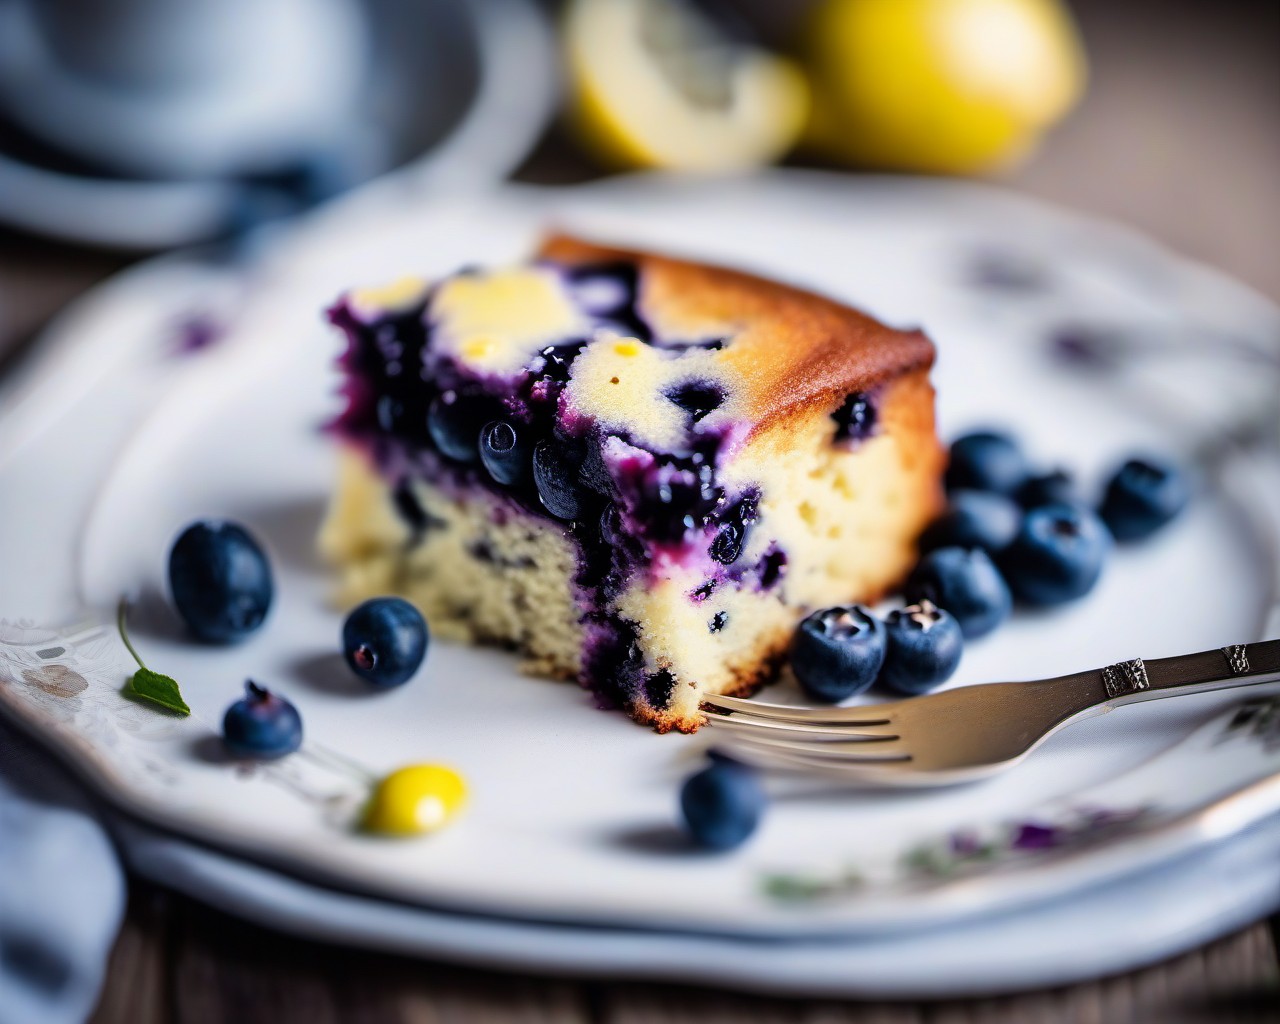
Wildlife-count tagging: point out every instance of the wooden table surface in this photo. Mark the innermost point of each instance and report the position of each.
(1180, 136)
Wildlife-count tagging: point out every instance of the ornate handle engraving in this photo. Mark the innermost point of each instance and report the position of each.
(1237, 656)
(1125, 677)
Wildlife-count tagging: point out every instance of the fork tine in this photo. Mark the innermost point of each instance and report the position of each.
(891, 748)
(870, 714)
(866, 771)
(778, 727)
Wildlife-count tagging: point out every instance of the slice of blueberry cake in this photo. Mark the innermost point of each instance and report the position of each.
(638, 471)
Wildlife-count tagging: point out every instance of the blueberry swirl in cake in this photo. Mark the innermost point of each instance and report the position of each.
(639, 472)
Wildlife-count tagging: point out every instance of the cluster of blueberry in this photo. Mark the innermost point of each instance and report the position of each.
(1008, 534)
(222, 587)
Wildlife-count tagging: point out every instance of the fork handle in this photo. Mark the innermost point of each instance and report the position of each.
(1136, 680)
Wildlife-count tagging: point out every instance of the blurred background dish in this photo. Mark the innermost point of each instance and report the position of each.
(145, 124)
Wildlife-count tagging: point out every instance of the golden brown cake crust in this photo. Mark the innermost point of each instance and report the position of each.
(791, 349)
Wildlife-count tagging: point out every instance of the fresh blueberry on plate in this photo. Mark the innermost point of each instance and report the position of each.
(1057, 556)
(1143, 496)
(220, 580)
(384, 640)
(986, 460)
(1057, 487)
(261, 725)
(505, 452)
(722, 804)
(974, 519)
(838, 652)
(966, 583)
(924, 648)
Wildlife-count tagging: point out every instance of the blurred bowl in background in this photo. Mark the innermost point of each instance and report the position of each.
(446, 92)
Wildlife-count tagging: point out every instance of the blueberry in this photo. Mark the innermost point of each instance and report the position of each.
(677, 497)
(384, 640)
(608, 291)
(837, 652)
(505, 452)
(261, 725)
(924, 648)
(220, 580)
(1057, 556)
(974, 519)
(558, 359)
(699, 398)
(602, 288)
(455, 419)
(986, 461)
(1143, 496)
(1057, 487)
(727, 544)
(556, 472)
(722, 805)
(966, 583)
(856, 418)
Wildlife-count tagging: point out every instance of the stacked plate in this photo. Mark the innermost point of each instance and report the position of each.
(568, 858)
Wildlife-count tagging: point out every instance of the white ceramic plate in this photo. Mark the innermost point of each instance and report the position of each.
(573, 808)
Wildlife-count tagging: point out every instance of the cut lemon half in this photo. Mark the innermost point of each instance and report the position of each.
(654, 84)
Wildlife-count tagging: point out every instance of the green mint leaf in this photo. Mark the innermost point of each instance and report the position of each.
(158, 689)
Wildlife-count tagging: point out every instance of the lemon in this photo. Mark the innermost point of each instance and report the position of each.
(413, 800)
(948, 86)
(652, 84)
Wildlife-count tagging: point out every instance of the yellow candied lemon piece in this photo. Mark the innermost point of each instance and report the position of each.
(414, 800)
(949, 86)
(654, 84)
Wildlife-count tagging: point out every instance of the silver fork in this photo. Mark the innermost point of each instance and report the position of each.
(970, 732)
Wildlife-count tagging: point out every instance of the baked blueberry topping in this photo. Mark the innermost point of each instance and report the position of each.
(703, 590)
(658, 688)
(986, 461)
(856, 418)
(220, 580)
(505, 453)
(974, 519)
(261, 725)
(601, 290)
(555, 474)
(455, 419)
(1057, 487)
(838, 652)
(722, 805)
(924, 648)
(698, 398)
(1142, 496)
(390, 414)
(772, 566)
(557, 360)
(729, 539)
(1057, 556)
(608, 291)
(385, 357)
(718, 621)
(966, 583)
(678, 496)
(384, 641)
(410, 509)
